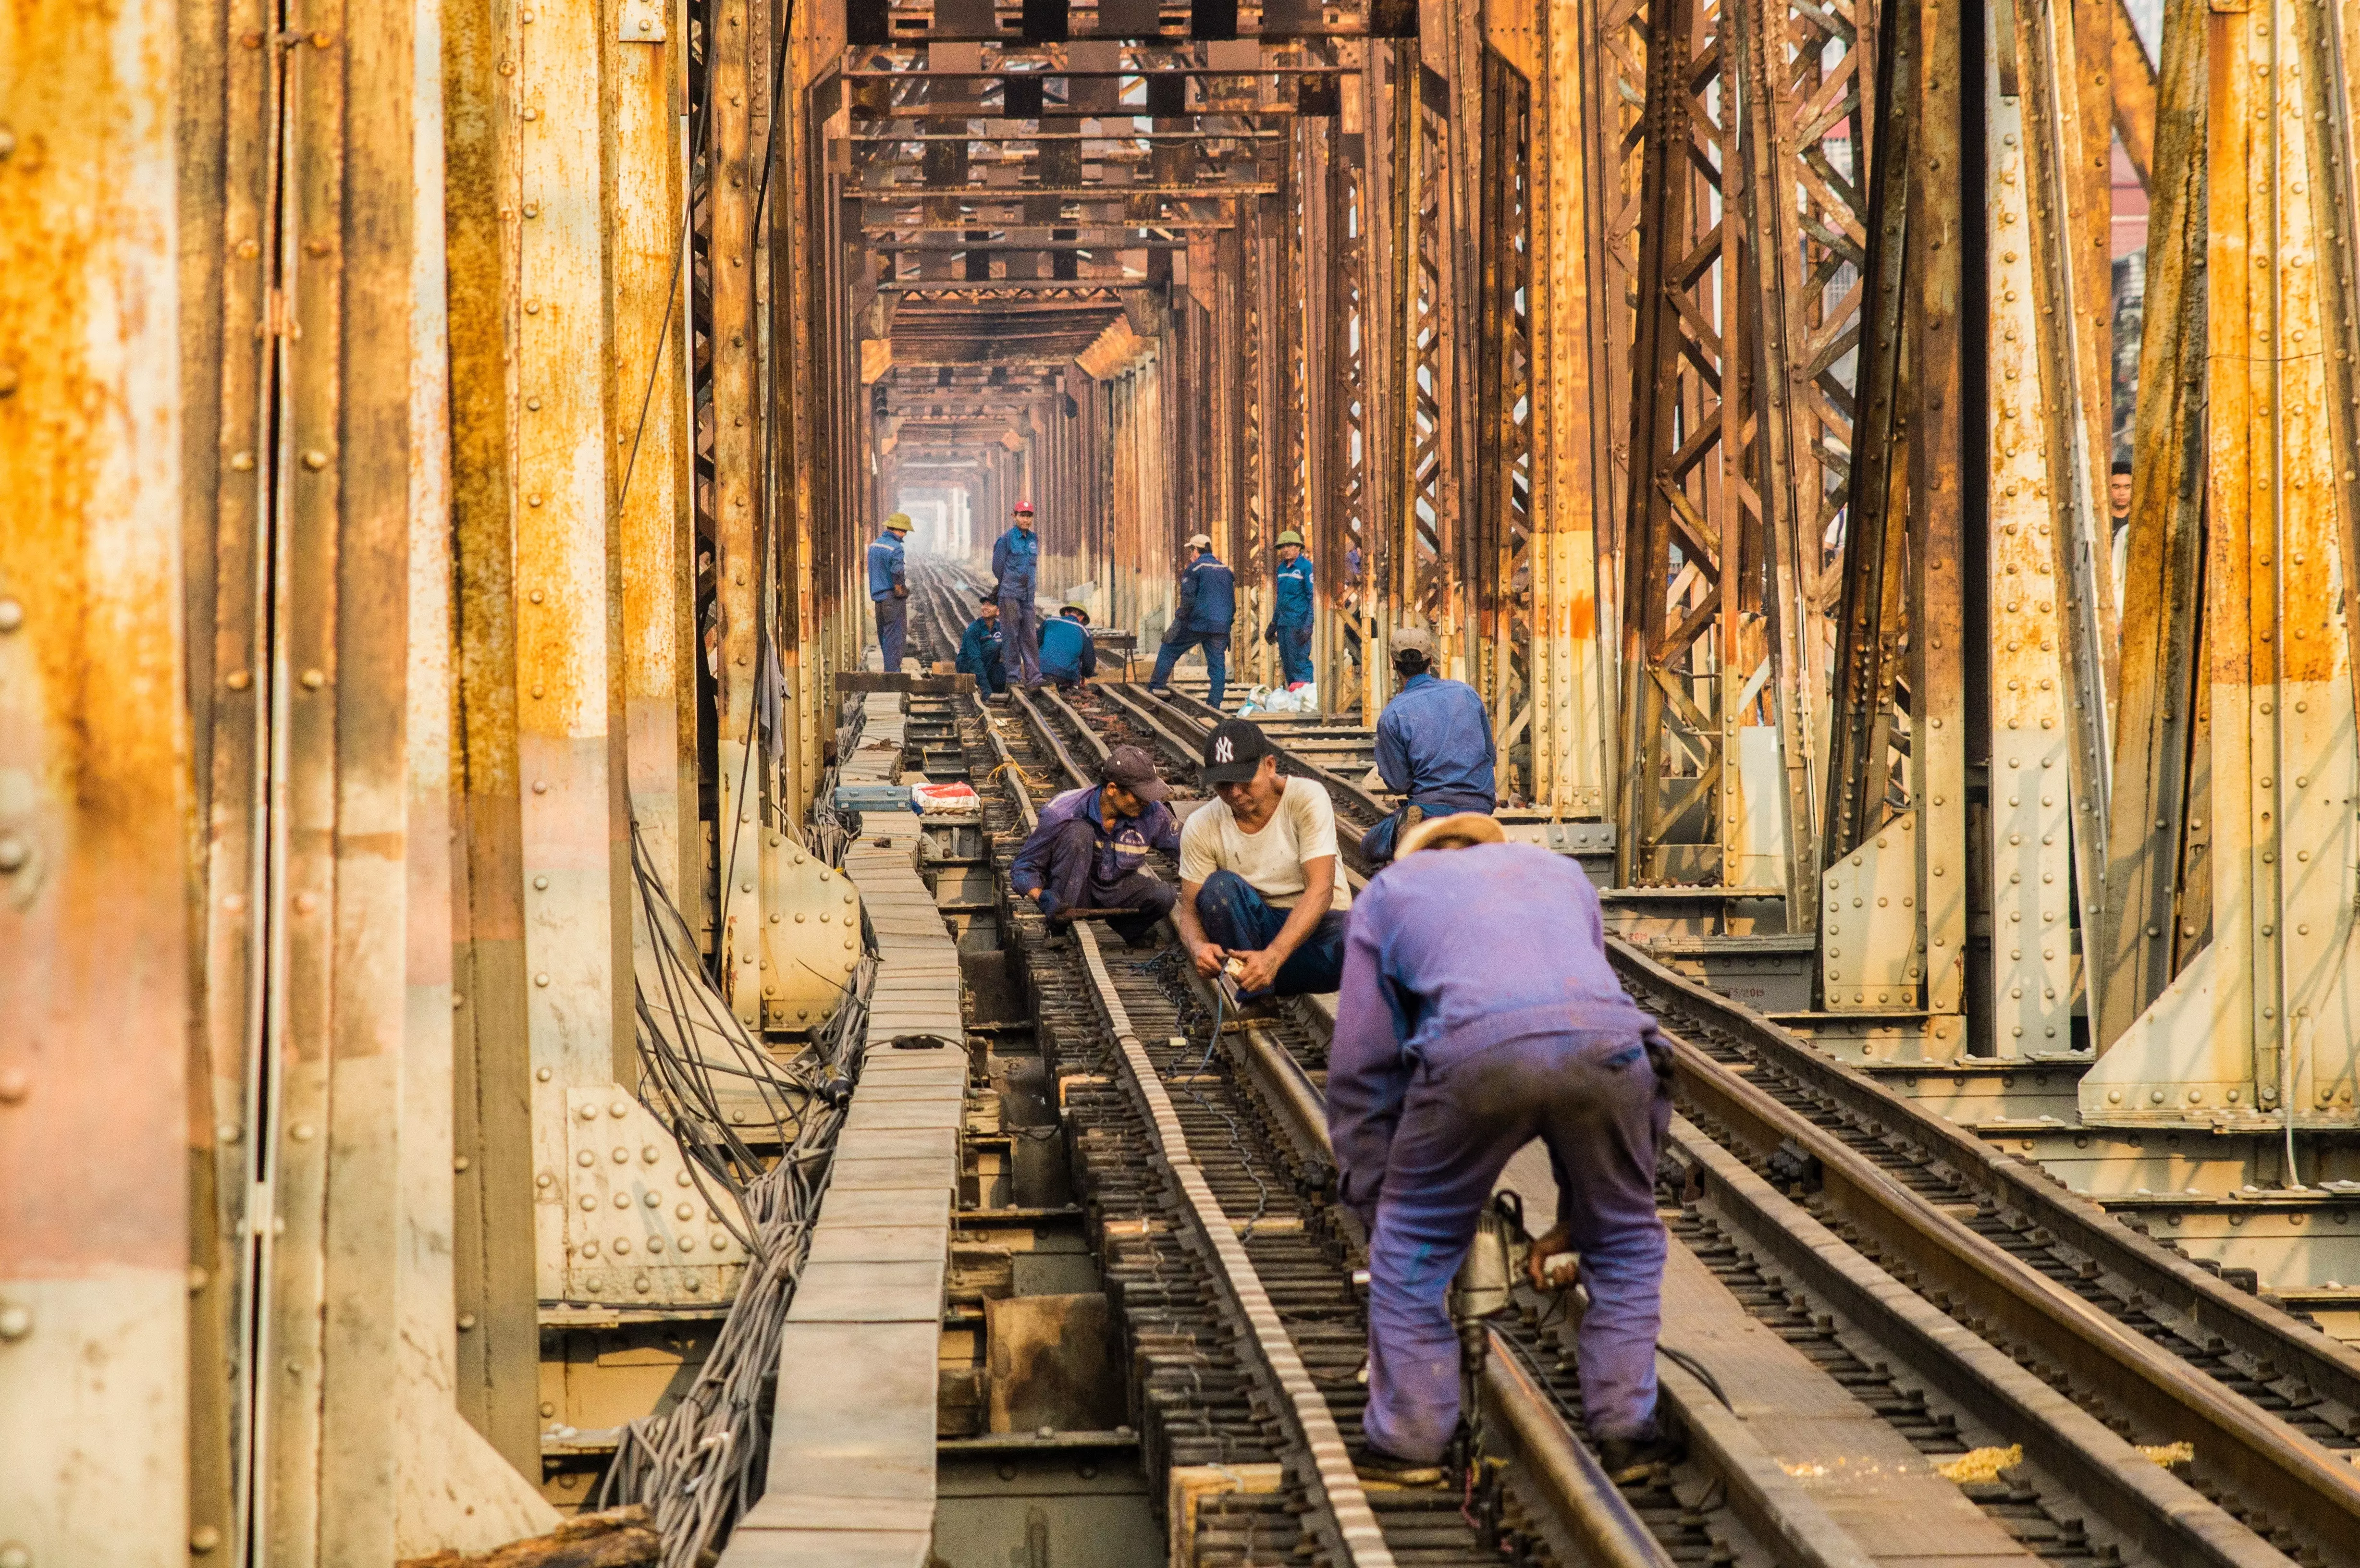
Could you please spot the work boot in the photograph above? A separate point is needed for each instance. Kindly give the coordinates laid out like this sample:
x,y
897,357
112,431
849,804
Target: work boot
x,y
1379,1468
1628,1459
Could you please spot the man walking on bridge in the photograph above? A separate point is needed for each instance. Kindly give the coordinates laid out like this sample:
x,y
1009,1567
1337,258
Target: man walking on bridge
x,y
1433,745
889,590
1090,849
1478,1013
1016,574
1208,602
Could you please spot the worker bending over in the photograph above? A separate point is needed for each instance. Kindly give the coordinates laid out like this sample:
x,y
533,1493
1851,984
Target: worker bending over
x,y
1479,1013
889,590
1208,602
1016,573
1259,881
979,650
1433,745
1290,614
1067,655
1090,849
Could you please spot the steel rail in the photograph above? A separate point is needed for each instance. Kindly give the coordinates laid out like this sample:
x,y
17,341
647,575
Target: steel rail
x,y
2146,1269
1204,715
1351,1526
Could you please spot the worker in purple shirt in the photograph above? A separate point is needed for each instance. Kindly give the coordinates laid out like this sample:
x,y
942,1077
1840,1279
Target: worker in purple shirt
x,y
1090,849
1478,1013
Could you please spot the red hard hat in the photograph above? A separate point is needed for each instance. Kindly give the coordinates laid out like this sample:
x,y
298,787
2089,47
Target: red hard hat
x,y
1023,508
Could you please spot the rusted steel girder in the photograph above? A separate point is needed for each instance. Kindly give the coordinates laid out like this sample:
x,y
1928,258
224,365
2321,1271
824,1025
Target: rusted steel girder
x,y
2158,875
1571,438
2255,1034
101,1123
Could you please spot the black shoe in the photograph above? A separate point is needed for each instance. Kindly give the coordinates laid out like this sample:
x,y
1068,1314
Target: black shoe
x,y
1629,1459
1379,1468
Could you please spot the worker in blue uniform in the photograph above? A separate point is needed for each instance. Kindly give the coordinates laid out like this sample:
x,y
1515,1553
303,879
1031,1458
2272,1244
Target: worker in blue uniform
x,y
979,650
1067,655
1479,1013
1290,612
1016,574
888,589
1433,745
1208,602
1090,849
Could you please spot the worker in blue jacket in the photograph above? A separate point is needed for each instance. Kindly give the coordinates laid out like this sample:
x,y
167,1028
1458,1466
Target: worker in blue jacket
x,y
1090,849
1290,612
1479,1013
1433,745
1016,575
1067,655
979,650
1208,602
888,589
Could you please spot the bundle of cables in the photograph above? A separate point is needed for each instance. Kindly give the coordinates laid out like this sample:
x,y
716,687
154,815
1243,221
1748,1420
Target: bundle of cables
x,y
700,1466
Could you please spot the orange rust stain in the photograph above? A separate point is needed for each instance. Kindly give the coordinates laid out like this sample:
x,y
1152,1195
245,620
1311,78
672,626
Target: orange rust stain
x,y
94,930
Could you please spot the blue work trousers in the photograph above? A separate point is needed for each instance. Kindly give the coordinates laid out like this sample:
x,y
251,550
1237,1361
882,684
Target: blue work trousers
x,y
892,630
1020,631
992,680
1294,653
1217,659
1602,1108
1236,917
1074,883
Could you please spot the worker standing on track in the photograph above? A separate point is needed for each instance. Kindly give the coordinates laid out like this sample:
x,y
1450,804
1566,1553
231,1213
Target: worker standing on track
x,y
1479,1013
1090,849
1208,602
1016,574
889,590
979,650
1259,879
1068,657
1290,617
1434,746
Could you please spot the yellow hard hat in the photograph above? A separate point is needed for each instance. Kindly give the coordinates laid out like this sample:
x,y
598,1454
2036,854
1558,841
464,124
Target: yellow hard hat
x,y
899,522
1291,536
1461,830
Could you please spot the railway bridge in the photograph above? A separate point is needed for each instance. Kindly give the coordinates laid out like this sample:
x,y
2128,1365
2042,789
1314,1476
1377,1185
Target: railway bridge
x,y
1891,469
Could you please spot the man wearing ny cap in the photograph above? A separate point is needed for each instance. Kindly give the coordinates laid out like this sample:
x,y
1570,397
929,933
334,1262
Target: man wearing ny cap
x,y
1479,1013
1259,881
888,589
1433,745
1016,575
1208,602
1090,849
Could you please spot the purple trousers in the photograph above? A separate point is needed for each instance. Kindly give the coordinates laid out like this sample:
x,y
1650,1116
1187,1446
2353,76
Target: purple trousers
x,y
1599,1104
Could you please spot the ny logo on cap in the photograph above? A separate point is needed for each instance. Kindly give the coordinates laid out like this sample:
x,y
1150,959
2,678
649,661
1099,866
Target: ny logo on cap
x,y
1222,750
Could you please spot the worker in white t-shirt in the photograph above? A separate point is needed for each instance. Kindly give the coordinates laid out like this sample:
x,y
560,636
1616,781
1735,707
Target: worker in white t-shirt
x,y
1259,879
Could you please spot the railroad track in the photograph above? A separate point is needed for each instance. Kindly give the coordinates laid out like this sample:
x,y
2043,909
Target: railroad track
x,y
1853,1223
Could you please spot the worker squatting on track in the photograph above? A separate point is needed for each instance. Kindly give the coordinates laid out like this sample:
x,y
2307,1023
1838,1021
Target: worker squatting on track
x,y
1208,602
981,649
1068,657
1434,746
1258,874
1479,1012
1088,851
888,589
1016,576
